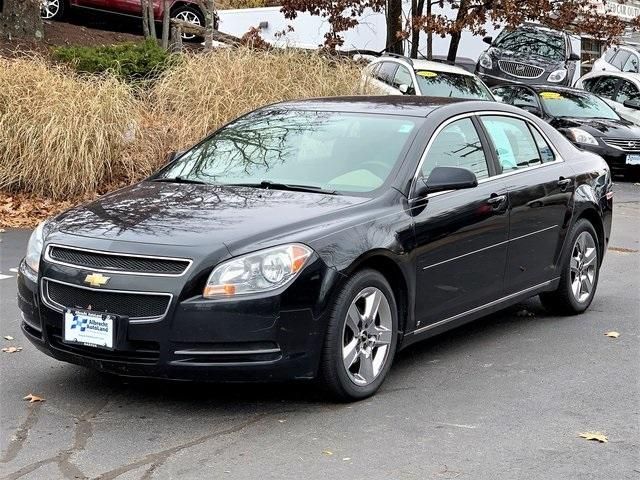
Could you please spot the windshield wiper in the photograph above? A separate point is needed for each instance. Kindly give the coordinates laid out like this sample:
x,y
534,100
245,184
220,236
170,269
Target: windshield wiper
x,y
269,185
179,180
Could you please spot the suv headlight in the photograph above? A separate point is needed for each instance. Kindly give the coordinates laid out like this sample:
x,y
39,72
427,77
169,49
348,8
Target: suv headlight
x,y
34,248
257,272
557,76
580,136
485,61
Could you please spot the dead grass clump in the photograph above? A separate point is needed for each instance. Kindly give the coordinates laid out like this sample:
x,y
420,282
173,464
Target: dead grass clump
x,y
62,135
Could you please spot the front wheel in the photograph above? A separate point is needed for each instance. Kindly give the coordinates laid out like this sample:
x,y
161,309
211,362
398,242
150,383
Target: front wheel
x,y
579,275
190,15
361,337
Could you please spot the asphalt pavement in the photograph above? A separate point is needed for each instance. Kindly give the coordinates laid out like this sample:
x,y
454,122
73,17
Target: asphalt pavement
x,y
505,397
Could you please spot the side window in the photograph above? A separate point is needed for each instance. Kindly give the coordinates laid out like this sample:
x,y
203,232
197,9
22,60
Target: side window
x,y
387,71
631,65
626,91
502,94
606,87
620,59
457,145
546,153
403,77
590,83
610,54
513,143
373,70
525,99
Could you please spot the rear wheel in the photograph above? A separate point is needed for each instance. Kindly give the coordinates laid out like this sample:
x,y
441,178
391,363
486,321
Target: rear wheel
x,y
580,271
361,337
190,15
52,9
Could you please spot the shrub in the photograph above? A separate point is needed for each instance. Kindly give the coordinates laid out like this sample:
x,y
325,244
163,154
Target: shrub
x,y
130,61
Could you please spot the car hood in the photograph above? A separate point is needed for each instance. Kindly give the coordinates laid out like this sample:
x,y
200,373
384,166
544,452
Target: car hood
x,y
600,127
182,214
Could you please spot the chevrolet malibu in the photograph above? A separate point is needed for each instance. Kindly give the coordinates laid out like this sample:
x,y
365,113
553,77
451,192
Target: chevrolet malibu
x,y
314,239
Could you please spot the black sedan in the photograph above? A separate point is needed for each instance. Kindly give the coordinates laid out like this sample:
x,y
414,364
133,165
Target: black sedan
x,y
314,239
584,118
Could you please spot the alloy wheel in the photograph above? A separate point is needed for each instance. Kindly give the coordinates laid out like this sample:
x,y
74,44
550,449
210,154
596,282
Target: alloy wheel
x,y
49,8
584,261
189,17
366,336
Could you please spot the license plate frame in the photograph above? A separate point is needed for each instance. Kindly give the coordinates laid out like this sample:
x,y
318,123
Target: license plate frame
x,y
89,328
633,159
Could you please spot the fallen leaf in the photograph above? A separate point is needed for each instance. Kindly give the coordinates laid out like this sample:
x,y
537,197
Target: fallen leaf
x,y
597,436
281,421
612,334
346,459
33,398
327,452
12,349
8,337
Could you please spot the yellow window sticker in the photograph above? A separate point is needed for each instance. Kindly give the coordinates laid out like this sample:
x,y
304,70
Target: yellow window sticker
x,y
550,95
427,74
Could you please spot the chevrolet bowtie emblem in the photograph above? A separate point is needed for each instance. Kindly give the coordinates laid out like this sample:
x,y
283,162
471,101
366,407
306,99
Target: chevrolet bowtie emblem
x,y
96,279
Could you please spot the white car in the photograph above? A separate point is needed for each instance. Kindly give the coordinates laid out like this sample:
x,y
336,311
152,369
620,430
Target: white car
x,y
619,58
398,75
619,89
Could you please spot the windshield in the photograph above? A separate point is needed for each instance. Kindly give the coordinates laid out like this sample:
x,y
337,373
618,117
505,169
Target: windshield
x,y
332,151
528,42
440,84
565,104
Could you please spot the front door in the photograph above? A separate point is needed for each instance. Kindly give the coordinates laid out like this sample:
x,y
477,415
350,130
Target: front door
x,y
461,236
540,195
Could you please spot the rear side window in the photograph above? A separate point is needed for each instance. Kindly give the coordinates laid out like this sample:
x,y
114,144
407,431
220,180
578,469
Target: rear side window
x,y
457,145
627,90
589,84
387,71
631,65
620,59
513,142
610,54
606,87
546,153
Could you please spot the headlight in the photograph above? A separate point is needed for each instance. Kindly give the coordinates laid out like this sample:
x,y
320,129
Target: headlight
x,y
485,61
557,76
257,272
34,248
580,136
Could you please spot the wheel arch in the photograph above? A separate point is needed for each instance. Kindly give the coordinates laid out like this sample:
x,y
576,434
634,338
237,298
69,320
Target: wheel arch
x,y
593,217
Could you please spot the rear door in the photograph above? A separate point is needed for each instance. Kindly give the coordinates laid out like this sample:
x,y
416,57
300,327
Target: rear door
x,y
540,189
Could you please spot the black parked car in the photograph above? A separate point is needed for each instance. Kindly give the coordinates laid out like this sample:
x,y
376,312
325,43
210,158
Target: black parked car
x,y
528,54
584,118
314,239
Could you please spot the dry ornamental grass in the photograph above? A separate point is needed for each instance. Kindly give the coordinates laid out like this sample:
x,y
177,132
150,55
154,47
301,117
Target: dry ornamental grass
x,y
65,136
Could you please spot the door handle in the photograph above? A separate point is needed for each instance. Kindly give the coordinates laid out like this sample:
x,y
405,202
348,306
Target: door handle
x,y
496,200
563,183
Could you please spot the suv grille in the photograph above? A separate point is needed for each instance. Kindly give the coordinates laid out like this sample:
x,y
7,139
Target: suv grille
x,y
132,305
520,70
119,262
624,144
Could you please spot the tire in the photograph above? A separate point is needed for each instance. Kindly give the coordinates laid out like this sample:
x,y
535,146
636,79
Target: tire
x,y
369,354
191,15
583,259
52,9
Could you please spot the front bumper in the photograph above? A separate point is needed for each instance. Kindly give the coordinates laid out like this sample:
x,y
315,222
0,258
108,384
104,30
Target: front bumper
x,y
267,338
615,158
494,78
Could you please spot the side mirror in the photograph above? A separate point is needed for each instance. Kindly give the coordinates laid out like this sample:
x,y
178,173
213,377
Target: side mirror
x,y
574,57
488,39
632,103
446,178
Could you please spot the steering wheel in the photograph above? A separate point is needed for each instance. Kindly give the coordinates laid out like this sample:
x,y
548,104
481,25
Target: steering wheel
x,y
378,168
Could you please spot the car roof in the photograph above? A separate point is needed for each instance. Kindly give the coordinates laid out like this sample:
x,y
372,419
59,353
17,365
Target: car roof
x,y
601,73
405,105
430,65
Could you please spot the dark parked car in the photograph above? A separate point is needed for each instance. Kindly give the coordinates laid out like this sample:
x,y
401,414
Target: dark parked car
x,y
584,118
528,54
187,10
315,238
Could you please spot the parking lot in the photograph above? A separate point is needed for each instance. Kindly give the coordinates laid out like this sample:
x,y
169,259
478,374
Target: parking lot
x,y
503,398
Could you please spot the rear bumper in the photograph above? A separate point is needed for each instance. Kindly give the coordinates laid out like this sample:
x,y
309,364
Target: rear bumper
x,y
272,338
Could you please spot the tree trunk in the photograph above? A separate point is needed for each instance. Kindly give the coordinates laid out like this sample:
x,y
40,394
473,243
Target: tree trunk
x,y
457,34
176,39
152,20
21,19
429,34
417,6
166,10
394,26
145,18
208,7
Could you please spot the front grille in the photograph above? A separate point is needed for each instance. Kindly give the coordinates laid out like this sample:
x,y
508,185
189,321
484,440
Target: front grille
x,y
132,305
118,262
624,144
520,70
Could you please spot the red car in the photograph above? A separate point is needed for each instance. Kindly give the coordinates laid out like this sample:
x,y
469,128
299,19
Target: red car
x,y
187,10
